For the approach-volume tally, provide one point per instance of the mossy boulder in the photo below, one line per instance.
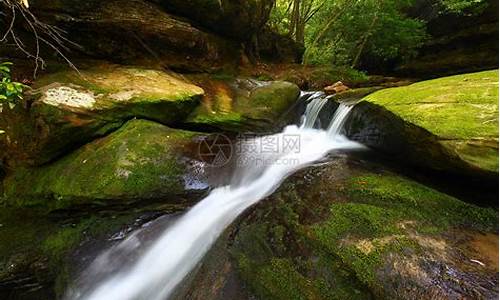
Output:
(243, 105)
(344, 231)
(68, 109)
(36, 253)
(447, 124)
(141, 161)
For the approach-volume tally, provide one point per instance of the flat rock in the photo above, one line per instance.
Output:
(68, 109)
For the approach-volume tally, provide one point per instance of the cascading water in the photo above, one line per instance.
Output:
(178, 250)
(317, 101)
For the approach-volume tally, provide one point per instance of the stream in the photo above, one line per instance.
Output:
(156, 272)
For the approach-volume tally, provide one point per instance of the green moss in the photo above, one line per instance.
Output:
(145, 84)
(281, 280)
(139, 161)
(270, 256)
(358, 221)
(384, 211)
(233, 109)
(455, 107)
(125, 92)
(418, 202)
(273, 99)
(36, 245)
(66, 238)
(460, 111)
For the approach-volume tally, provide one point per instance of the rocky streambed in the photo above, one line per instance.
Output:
(88, 158)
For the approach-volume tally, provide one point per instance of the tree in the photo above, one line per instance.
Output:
(291, 16)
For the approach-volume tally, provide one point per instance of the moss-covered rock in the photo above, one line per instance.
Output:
(448, 124)
(36, 248)
(143, 160)
(68, 109)
(235, 105)
(341, 231)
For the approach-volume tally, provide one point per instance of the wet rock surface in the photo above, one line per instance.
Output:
(349, 229)
(142, 161)
(236, 19)
(243, 105)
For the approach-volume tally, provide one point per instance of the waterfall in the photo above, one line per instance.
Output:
(176, 252)
(316, 102)
(338, 120)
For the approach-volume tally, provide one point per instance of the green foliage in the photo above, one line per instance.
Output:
(345, 30)
(463, 6)
(10, 91)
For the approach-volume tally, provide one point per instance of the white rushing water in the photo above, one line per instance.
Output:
(177, 251)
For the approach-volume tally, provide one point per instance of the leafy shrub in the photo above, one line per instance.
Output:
(11, 92)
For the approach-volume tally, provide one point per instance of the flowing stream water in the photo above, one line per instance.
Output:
(156, 273)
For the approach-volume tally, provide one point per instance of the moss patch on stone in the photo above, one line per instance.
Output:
(139, 161)
(385, 215)
(233, 106)
(456, 107)
(127, 83)
(277, 259)
(460, 111)
(333, 232)
(68, 109)
(38, 247)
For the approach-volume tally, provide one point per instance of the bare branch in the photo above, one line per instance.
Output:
(43, 33)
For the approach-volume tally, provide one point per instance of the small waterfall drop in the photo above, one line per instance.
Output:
(339, 119)
(316, 102)
(162, 267)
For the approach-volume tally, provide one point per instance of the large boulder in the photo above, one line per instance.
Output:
(143, 160)
(243, 104)
(136, 32)
(236, 19)
(68, 109)
(448, 124)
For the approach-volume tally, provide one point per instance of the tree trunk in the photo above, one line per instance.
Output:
(364, 40)
(325, 29)
(295, 18)
(300, 32)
